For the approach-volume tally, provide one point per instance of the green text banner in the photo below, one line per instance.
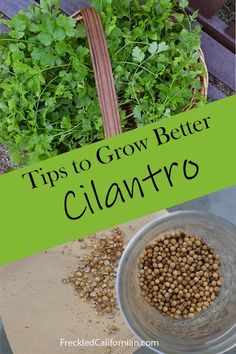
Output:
(117, 180)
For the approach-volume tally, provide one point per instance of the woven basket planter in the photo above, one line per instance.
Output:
(103, 72)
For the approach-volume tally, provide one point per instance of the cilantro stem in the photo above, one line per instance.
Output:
(67, 132)
(189, 22)
(56, 67)
(16, 40)
(143, 67)
(131, 42)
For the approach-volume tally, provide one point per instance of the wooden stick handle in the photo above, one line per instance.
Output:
(102, 71)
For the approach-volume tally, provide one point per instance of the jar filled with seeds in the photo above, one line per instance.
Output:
(177, 284)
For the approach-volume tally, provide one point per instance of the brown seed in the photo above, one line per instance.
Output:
(191, 315)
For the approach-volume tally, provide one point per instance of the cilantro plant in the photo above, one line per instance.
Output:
(155, 55)
(48, 98)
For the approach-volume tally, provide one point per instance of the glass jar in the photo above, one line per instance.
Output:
(212, 331)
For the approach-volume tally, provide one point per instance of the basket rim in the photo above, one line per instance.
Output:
(204, 81)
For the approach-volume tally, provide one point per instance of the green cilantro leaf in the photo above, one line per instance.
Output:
(153, 47)
(45, 38)
(138, 55)
(162, 47)
(183, 3)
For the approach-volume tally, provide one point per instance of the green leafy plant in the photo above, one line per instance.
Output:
(48, 98)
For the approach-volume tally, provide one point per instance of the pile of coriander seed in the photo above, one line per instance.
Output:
(179, 274)
(94, 279)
